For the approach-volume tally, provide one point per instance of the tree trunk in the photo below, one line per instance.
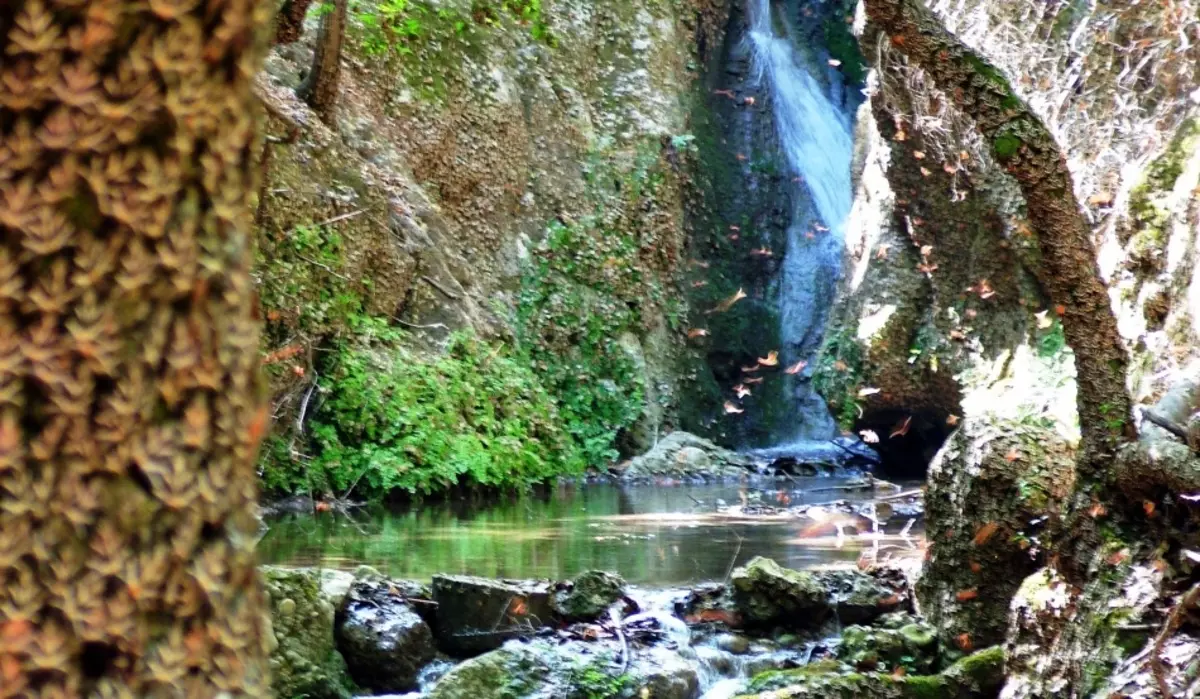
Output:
(130, 402)
(320, 88)
(289, 23)
(1023, 144)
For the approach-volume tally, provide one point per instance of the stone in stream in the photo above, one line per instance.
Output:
(767, 594)
(860, 597)
(588, 596)
(541, 669)
(304, 660)
(385, 642)
(475, 615)
(684, 455)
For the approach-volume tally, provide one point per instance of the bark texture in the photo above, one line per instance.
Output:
(289, 24)
(320, 88)
(130, 406)
(1067, 268)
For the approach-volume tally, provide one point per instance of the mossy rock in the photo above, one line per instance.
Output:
(590, 594)
(767, 594)
(305, 661)
(978, 676)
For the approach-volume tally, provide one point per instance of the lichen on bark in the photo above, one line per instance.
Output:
(130, 403)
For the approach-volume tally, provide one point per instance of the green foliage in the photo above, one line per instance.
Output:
(408, 26)
(297, 277)
(596, 680)
(1052, 340)
(394, 420)
(838, 373)
(589, 284)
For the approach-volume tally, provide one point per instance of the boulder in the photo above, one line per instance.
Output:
(475, 615)
(385, 642)
(305, 660)
(902, 643)
(542, 669)
(767, 594)
(707, 603)
(684, 455)
(588, 596)
(860, 597)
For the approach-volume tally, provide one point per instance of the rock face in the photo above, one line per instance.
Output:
(384, 641)
(573, 670)
(476, 615)
(684, 455)
(305, 660)
(769, 595)
(589, 595)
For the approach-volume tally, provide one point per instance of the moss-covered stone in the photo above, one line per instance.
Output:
(589, 595)
(978, 676)
(767, 594)
(305, 661)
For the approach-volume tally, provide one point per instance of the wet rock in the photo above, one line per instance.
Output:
(684, 455)
(977, 676)
(861, 597)
(767, 594)
(384, 641)
(305, 660)
(733, 643)
(912, 647)
(542, 669)
(708, 603)
(589, 595)
(475, 615)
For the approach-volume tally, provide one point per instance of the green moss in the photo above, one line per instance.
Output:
(843, 46)
(838, 374)
(1005, 146)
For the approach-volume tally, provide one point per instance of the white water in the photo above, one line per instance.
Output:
(815, 135)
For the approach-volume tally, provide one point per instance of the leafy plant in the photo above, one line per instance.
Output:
(595, 680)
(590, 284)
(392, 419)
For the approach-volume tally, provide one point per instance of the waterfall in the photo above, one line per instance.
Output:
(815, 134)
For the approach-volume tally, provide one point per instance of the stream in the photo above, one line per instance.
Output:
(650, 534)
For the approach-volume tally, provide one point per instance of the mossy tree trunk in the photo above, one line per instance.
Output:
(130, 403)
(320, 88)
(1022, 143)
(289, 23)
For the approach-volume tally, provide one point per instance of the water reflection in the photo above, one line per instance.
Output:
(649, 534)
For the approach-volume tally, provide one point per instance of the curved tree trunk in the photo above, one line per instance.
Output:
(130, 407)
(320, 88)
(1023, 144)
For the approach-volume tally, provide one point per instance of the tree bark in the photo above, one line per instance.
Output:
(289, 23)
(130, 400)
(320, 88)
(1022, 143)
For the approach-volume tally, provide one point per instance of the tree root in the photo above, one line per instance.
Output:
(1190, 599)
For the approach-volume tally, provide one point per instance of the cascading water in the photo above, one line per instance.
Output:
(814, 130)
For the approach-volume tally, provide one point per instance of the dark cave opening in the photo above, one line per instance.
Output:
(907, 440)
